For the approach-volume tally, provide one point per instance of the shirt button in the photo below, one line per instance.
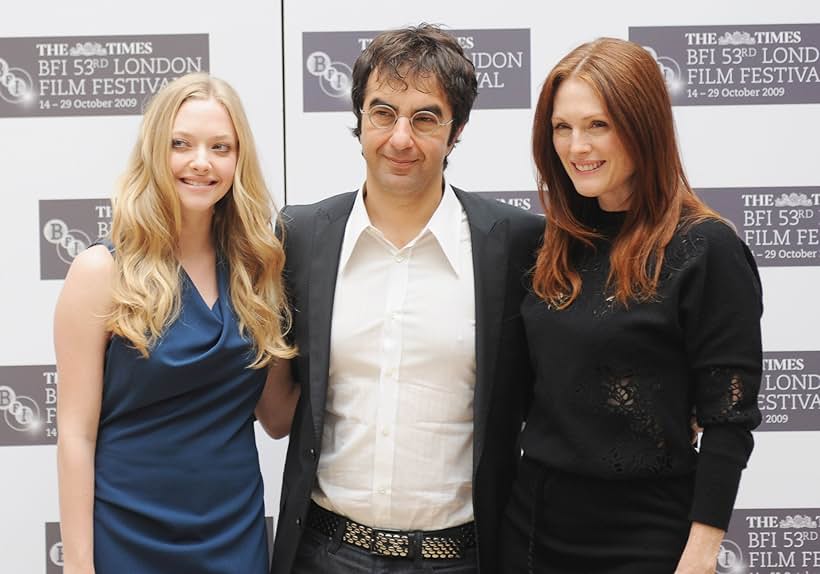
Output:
(312, 452)
(382, 491)
(298, 522)
(385, 431)
(399, 258)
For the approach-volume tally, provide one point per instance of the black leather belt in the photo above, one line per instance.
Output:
(446, 544)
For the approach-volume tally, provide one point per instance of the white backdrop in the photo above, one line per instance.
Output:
(310, 155)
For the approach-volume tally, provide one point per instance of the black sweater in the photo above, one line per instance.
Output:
(615, 387)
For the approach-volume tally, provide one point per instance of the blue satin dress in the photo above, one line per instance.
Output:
(178, 488)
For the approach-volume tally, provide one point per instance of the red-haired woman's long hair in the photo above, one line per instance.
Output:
(629, 83)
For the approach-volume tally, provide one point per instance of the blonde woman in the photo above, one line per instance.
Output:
(167, 341)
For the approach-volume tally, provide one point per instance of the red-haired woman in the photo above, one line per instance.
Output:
(645, 308)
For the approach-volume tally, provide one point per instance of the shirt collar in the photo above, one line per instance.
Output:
(357, 224)
(445, 226)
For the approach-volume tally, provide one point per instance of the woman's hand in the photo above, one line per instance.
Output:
(701, 551)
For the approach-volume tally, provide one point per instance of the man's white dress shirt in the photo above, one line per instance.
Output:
(397, 447)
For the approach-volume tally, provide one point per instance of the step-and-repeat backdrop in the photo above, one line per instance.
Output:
(744, 79)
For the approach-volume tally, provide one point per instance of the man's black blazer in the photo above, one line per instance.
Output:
(504, 243)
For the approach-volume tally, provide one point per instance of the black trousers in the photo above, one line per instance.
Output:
(561, 523)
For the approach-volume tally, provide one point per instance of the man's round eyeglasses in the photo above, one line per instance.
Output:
(423, 122)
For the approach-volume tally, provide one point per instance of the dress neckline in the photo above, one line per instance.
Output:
(198, 294)
(607, 223)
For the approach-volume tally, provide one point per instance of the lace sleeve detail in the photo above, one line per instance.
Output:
(724, 398)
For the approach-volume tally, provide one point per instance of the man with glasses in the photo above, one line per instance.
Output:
(412, 357)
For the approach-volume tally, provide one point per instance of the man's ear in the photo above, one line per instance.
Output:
(455, 138)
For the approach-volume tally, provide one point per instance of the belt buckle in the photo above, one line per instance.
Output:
(390, 543)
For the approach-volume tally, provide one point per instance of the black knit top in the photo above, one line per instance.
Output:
(616, 387)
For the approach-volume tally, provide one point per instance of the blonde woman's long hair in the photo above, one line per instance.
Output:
(145, 230)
